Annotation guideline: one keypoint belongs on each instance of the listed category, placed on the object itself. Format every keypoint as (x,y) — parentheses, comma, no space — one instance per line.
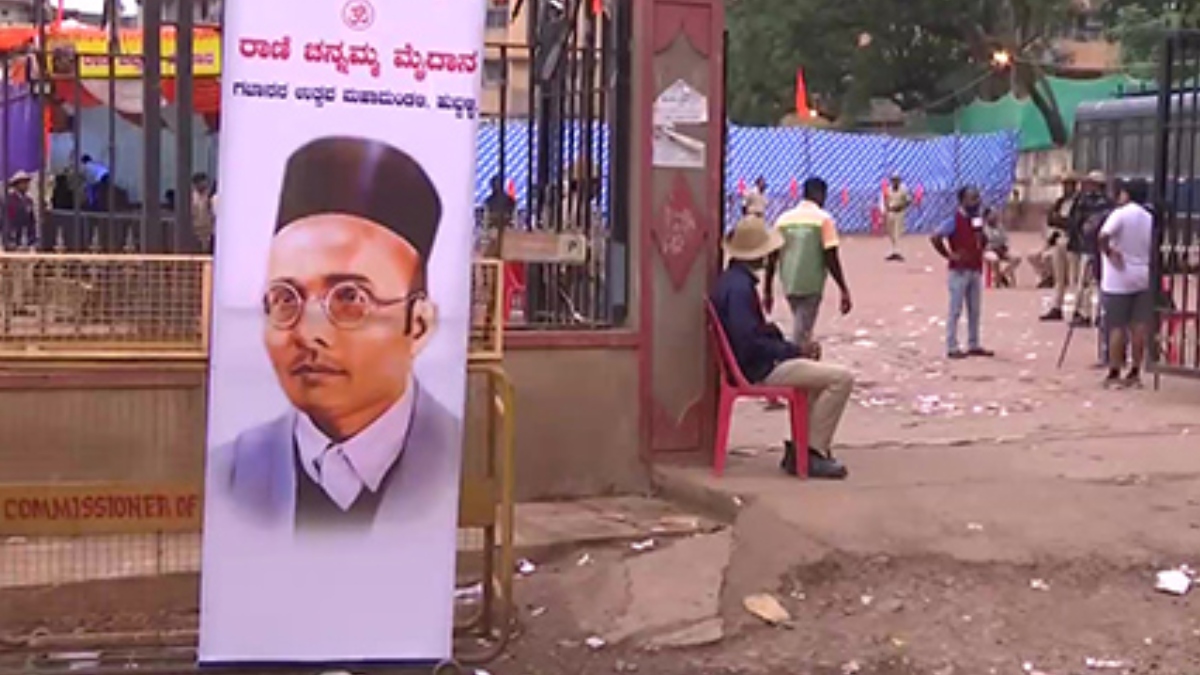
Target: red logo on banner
(358,14)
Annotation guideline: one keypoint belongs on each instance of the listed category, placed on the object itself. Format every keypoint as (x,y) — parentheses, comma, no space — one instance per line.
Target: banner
(341,308)
(92,50)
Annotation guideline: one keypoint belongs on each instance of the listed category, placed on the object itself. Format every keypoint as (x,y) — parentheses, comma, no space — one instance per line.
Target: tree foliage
(1140,27)
(920,54)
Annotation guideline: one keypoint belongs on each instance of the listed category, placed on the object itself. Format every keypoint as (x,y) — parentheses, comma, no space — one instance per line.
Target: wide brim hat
(19,177)
(751,240)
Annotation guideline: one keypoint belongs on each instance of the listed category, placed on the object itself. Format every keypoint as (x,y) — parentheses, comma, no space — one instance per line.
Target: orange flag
(802,109)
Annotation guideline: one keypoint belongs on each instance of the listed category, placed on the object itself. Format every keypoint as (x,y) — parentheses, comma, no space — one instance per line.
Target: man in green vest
(809,255)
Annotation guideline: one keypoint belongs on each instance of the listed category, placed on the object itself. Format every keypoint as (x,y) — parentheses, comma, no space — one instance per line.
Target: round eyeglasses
(347,304)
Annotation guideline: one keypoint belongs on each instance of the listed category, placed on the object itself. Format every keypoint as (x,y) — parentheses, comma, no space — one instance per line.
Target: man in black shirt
(1092,207)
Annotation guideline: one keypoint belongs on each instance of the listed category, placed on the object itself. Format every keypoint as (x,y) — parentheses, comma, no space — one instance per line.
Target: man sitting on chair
(765,356)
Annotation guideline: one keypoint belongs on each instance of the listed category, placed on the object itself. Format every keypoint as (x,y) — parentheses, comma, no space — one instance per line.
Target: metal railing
(104,306)
(100,535)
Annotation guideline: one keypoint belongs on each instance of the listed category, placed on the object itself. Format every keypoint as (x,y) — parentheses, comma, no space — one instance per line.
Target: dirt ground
(903,616)
(1002,517)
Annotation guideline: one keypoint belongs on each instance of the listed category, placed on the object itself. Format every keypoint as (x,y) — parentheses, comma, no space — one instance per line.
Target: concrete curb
(706,501)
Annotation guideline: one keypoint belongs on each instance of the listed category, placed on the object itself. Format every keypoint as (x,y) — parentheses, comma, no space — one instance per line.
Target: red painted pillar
(678,79)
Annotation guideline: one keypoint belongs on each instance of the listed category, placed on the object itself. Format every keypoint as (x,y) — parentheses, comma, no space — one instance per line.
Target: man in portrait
(346,312)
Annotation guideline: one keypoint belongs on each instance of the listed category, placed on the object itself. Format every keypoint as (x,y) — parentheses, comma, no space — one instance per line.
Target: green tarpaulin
(1022,115)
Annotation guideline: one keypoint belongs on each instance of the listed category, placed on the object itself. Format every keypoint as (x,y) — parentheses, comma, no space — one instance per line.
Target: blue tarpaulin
(854,165)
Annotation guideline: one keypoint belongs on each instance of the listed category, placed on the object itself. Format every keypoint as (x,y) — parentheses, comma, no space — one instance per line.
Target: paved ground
(1002,516)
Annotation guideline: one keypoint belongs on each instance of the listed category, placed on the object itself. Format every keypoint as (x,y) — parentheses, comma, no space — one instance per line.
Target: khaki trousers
(895,228)
(1086,290)
(1066,272)
(828,387)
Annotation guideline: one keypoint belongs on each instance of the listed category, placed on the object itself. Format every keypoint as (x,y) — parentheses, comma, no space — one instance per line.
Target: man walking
(1126,243)
(897,202)
(765,356)
(961,243)
(809,256)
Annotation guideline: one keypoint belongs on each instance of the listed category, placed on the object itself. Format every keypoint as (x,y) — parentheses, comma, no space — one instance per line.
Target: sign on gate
(339,339)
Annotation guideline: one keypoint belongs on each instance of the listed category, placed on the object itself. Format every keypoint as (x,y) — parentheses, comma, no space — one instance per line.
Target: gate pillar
(678,84)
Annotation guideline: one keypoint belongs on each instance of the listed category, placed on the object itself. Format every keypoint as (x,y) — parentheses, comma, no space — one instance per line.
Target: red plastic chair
(734,386)
(514,285)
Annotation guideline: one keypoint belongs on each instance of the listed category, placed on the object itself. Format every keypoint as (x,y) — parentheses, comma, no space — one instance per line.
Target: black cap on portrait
(364,178)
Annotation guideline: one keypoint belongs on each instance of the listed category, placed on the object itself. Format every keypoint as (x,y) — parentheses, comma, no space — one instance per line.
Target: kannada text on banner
(77,509)
(345,58)
(92,51)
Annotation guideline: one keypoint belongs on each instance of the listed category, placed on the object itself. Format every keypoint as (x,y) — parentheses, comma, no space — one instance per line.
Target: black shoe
(895,257)
(1046,283)
(1081,321)
(1133,380)
(1113,381)
(1052,315)
(825,468)
(788,463)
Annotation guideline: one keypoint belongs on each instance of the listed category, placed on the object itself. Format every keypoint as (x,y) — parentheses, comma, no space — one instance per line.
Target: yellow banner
(92,51)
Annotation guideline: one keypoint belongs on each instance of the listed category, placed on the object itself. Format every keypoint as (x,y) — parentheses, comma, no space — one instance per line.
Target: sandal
(981,352)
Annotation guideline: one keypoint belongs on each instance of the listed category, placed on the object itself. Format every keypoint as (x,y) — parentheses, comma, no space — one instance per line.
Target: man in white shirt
(1127,242)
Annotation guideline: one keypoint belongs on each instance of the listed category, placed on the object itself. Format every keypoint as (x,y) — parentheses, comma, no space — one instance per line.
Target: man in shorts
(1126,242)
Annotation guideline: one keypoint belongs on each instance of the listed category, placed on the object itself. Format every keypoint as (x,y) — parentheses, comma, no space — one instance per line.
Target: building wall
(576,421)
(507,58)
(16,12)
(203,11)
(506,61)
(1096,55)
(146,423)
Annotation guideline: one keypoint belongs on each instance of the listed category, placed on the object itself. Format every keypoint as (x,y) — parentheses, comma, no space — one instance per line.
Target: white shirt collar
(371,453)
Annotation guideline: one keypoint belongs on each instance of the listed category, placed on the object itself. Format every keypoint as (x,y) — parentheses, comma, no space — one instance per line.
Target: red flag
(58,18)
(741,186)
(920,194)
(794,190)
(512,189)
(802,109)
(597,7)
(845,196)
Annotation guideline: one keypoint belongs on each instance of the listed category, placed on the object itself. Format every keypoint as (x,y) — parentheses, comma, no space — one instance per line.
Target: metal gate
(1176,264)
(556,115)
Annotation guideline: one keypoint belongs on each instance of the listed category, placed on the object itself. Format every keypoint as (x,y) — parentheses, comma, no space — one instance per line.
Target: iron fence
(1176,264)
(100,189)
(556,116)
